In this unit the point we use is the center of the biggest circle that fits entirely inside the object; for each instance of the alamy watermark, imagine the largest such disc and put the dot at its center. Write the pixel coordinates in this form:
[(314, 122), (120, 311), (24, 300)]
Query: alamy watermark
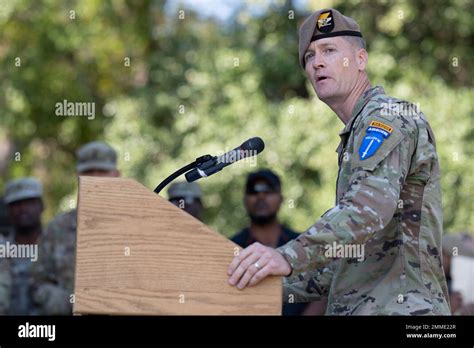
[(248, 156), (352, 251), (400, 108), (22, 251), (84, 109), (28, 330)]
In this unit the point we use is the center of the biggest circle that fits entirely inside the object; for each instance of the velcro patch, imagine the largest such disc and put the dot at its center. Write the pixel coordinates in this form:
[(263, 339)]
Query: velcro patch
[(377, 132), (382, 126)]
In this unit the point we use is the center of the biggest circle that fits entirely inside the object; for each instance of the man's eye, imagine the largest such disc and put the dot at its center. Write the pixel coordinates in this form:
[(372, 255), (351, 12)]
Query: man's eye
[(309, 55), (328, 50)]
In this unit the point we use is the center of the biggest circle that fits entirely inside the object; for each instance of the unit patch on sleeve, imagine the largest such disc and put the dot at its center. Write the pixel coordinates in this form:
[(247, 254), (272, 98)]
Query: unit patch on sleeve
[(377, 132)]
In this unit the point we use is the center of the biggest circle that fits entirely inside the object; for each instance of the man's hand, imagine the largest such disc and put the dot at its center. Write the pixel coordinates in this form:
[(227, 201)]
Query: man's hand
[(254, 263)]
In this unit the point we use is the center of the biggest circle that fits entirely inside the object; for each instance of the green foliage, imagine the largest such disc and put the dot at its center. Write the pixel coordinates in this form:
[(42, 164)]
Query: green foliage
[(196, 86)]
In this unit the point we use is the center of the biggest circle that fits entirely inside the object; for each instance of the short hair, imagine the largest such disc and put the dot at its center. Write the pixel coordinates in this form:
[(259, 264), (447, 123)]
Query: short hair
[(356, 41)]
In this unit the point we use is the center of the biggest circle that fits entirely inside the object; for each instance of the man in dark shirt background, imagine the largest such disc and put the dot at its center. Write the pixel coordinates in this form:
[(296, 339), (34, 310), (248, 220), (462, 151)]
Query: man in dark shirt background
[(262, 201)]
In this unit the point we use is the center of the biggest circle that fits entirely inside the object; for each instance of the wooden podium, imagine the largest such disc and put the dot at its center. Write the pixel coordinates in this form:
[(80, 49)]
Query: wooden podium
[(138, 254)]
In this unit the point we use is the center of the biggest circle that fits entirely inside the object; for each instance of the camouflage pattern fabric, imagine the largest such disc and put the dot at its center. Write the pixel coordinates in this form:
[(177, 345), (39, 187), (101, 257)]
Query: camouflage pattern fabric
[(23, 188), (5, 282), (21, 301), (54, 276), (389, 202)]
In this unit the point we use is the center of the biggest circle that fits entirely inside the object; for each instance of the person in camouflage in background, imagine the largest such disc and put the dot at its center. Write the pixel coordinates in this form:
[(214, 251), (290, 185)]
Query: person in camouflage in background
[(5, 282), (23, 199), (388, 196), (187, 196), (55, 274), (5, 276)]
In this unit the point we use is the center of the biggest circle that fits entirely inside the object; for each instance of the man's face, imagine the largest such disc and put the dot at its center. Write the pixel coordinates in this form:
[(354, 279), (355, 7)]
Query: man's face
[(262, 206), (102, 173), (26, 213), (333, 67)]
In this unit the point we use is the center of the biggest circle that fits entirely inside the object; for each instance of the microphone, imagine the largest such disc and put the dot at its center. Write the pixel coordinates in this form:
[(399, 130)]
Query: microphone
[(249, 148)]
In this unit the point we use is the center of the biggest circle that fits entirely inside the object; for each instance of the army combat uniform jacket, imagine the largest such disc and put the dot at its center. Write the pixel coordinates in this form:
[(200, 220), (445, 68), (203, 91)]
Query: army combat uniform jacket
[(54, 275), (388, 200), (5, 282)]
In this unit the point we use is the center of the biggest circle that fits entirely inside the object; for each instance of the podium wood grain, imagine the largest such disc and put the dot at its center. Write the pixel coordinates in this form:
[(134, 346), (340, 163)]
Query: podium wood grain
[(137, 254)]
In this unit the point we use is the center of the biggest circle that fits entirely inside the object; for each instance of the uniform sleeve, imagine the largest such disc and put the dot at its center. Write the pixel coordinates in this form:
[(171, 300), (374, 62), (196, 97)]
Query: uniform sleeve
[(308, 286), (367, 206)]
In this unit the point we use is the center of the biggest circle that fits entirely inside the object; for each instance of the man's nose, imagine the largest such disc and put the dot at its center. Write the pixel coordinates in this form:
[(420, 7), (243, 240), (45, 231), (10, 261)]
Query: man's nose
[(22, 206), (260, 197), (318, 61)]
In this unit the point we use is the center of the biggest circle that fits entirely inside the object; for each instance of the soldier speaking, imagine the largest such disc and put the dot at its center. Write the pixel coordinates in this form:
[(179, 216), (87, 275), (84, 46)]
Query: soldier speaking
[(388, 195)]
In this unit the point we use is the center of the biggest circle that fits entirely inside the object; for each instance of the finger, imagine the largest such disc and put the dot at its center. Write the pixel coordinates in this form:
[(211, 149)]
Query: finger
[(239, 258), (260, 275), (242, 268), (251, 269)]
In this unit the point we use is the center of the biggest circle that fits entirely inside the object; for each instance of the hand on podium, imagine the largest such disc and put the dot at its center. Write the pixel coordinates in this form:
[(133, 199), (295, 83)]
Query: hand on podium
[(255, 263)]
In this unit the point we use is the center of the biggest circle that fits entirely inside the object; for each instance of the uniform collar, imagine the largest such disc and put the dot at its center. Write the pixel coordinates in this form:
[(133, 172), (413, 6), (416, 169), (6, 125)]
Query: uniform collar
[(361, 102)]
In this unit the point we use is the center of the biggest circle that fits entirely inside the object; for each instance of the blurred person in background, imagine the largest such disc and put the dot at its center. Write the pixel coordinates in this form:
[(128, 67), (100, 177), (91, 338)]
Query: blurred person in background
[(187, 196), (457, 244), (23, 198), (54, 278), (262, 202)]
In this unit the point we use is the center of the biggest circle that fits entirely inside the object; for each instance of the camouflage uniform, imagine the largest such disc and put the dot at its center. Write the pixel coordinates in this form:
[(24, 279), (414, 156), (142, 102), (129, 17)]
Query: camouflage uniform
[(5, 283), (21, 280), (390, 202), (55, 274)]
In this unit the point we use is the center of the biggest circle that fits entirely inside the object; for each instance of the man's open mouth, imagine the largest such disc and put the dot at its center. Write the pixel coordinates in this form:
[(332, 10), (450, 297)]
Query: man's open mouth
[(321, 78)]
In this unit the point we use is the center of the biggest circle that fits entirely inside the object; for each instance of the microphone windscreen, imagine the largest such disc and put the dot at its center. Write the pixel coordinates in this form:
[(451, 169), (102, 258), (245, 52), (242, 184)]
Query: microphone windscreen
[(253, 144)]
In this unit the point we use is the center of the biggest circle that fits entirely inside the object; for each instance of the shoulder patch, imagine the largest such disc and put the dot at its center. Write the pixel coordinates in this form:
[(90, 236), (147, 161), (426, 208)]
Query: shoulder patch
[(377, 132)]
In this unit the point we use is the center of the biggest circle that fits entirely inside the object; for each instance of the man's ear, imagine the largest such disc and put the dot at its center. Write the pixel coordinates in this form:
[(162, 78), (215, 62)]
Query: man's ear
[(362, 58)]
